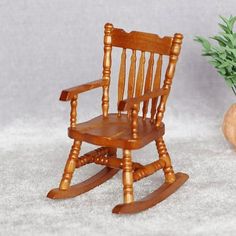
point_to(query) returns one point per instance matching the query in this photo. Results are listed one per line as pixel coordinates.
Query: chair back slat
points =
(148, 83)
(140, 76)
(139, 81)
(132, 74)
(156, 85)
(122, 73)
(141, 41)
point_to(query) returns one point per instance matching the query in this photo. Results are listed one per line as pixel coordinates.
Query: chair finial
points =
(176, 45)
(108, 27)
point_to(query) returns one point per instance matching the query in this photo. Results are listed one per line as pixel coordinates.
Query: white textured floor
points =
(32, 162)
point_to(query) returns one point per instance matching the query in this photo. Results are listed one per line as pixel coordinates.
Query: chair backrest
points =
(138, 82)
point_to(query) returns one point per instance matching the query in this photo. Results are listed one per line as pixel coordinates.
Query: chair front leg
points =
(164, 155)
(70, 165)
(127, 177)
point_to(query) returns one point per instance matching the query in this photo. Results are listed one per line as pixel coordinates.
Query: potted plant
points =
(223, 58)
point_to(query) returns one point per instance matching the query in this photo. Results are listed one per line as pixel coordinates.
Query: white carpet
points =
(32, 162)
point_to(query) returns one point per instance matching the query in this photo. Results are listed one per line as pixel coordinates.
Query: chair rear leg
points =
(70, 165)
(127, 177)
(164, 155)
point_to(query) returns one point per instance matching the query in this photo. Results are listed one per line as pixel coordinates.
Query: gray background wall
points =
(46, 46)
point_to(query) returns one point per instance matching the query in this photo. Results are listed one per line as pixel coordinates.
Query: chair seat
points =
(115, 131)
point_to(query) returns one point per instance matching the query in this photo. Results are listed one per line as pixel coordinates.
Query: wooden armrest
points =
(68, 94)
(127, 104)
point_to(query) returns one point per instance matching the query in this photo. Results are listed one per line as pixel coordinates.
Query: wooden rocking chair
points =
(125, 129)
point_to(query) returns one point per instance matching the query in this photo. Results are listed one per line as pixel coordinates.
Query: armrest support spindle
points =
(73, 113)
(71, 95)
(134, 120)
(132, 104)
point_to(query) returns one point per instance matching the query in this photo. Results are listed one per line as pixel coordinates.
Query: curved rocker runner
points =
(126, 129)
(83, 187)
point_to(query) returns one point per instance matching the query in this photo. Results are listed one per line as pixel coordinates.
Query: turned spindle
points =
(106, 66)
(134, 120)
(73, 113)
(174, 53)
(164, 155)
(127, 177)
(70, 166)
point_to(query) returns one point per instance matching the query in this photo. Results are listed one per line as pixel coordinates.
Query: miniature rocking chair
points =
(125, 129)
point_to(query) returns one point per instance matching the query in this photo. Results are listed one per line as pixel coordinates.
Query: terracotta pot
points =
(229, 125)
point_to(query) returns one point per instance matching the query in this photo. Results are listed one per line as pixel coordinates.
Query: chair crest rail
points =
(141, 41)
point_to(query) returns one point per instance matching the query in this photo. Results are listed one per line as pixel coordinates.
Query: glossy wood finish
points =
(135, 121)
(140, 76)
(148, 83)
(121, 82)
(70, 166)
(148, 169)
(104, 156)
(126, 129)
(116, 132)
(73, 111)
(174, 54)
(141, 41)
(164, 155)
(77, 189)
(90, 157)
(130, 102)
(153, 198)
(69, 94)
(106, 74)
(132, 75)
(127, 177)
(156, 85)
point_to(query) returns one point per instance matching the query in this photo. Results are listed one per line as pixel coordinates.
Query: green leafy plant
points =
(223, 55)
